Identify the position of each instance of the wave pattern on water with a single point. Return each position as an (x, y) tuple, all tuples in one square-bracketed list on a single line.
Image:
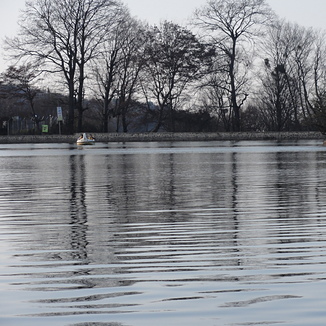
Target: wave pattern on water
[(185, 238)]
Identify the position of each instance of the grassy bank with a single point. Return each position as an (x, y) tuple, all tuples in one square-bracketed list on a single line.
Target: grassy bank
[(146, 137)]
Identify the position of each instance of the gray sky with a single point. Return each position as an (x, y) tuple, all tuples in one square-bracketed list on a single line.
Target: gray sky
[(304, 12)]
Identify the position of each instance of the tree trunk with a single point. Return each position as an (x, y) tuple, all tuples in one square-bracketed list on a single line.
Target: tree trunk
[(71, 109), (235, 106)]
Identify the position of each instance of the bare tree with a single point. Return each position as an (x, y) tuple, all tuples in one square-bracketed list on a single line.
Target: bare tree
[(294, 80), (315, 95), (63, 36), (106, 67), (232, 26), (22, 81), (278, 68), (132, 64), (116, 70), (214, 92), (174, 58)]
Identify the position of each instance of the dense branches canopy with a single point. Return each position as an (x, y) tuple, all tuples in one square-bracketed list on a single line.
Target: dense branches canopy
[(235, 64), (230, 25), (293, 79), (63, 36), (174, 59), (234, 19), (23, 81), (117, 67)]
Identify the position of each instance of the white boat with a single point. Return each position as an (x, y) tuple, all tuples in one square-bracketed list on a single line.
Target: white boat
[(85, 140)]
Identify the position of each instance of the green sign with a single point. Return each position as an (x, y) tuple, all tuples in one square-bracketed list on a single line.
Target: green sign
[(45, 128)]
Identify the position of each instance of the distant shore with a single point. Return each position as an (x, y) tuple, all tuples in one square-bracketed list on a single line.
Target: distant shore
[(155, 137)]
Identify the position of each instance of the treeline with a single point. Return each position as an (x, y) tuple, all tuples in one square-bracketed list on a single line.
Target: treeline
[(235, 67)]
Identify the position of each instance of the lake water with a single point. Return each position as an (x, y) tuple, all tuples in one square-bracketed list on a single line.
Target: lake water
[(175, 233)]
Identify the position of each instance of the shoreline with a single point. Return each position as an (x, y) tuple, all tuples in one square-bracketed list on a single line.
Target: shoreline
[(156, 137)]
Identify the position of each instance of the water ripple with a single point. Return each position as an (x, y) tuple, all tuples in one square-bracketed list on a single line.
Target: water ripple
[(228, 236)]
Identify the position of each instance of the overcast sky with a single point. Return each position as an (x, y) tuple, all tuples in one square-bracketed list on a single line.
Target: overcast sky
[(304, 12)]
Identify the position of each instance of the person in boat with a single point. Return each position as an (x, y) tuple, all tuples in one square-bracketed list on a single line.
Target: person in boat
[(91, 137), (80, 137)]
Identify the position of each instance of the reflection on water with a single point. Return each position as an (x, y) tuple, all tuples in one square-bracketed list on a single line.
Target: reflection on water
[(215, 233)]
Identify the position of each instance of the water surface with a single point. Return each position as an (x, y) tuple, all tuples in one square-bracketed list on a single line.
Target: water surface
[(175, 233)]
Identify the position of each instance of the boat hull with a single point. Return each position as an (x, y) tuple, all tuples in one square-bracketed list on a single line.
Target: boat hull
[(84, 140)]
